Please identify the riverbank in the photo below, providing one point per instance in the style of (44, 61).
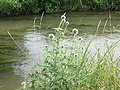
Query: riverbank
(19, 7)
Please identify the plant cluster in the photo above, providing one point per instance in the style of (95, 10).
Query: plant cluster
(8, 7)
(72, 66)
(14, 7)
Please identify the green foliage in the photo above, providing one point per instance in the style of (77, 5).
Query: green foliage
(9, 7)
(100, 4)
(73, 66)
(67, 5)
(114, 4)
(13, 7)
(51, 6)
(30, 6)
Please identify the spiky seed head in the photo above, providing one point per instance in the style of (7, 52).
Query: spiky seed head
(80, 38)
(76, 55)
(63, 17)
(51, 36)
(24, 84)
(62, 46)
(75, 31)
(73, 53)
(63, 20)
(67, 23)
(46, 46)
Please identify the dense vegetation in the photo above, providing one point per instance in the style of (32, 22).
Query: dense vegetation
(72, 65)
(14, 7)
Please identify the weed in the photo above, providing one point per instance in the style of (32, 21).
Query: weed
(73, 66)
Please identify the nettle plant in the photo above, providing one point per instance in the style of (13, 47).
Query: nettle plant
(72, 66)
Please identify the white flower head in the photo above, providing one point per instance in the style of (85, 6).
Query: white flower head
(63, 17)
(46, 46)
(51, 36)
(75, 55)
(24, 84)
(75, 31)
(80, 38)
(62, 46)
(63, 20)
(67, 23)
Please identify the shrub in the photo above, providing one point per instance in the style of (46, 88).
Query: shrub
(9, 7)
(51, 6)
(30, 6)
(72, 66)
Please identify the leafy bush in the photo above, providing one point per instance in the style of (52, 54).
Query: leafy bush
(72, 66)
(9, 7)
(14, 7)
(71, 5)
(100, 4)
(30, 6)
(51, 6)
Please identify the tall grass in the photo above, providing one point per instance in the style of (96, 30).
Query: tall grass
(73, 66)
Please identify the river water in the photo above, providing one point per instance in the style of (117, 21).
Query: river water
(14, 64)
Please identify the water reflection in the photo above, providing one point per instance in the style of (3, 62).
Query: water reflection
(34, 43)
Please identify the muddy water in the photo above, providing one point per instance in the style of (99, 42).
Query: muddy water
(14, 64)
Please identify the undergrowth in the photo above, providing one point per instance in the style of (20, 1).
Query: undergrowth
(73, 66)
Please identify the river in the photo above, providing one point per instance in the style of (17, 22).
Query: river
(14, 64)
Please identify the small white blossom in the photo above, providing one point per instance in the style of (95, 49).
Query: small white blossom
(46, 46)
(51, 36)
(24, 84)
(63, 20)
(75, 31)
(67, 23)
(63, 17)
(62, 46)
(80, 38)
(75, 55)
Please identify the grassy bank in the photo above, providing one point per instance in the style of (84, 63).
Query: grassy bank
(73, 66)
(15, 7)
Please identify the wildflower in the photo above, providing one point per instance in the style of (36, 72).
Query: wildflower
(80, 38)
(62, 46)
(63, 17)
(24, 84)
(51, 36)
(75, 55)
(46, 46)
(75, 31)
(64, 20)
(67, 23)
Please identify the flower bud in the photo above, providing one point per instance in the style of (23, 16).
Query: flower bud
(75, 55)
(67, 23)
(64, 20)
(80, 38)
(62, 46)
(46, 46)
(75, 31)
(51, 36)
(63, 17)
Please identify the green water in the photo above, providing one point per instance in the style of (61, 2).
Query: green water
(14, 65)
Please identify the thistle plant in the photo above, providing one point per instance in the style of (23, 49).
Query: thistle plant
(72, 66)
